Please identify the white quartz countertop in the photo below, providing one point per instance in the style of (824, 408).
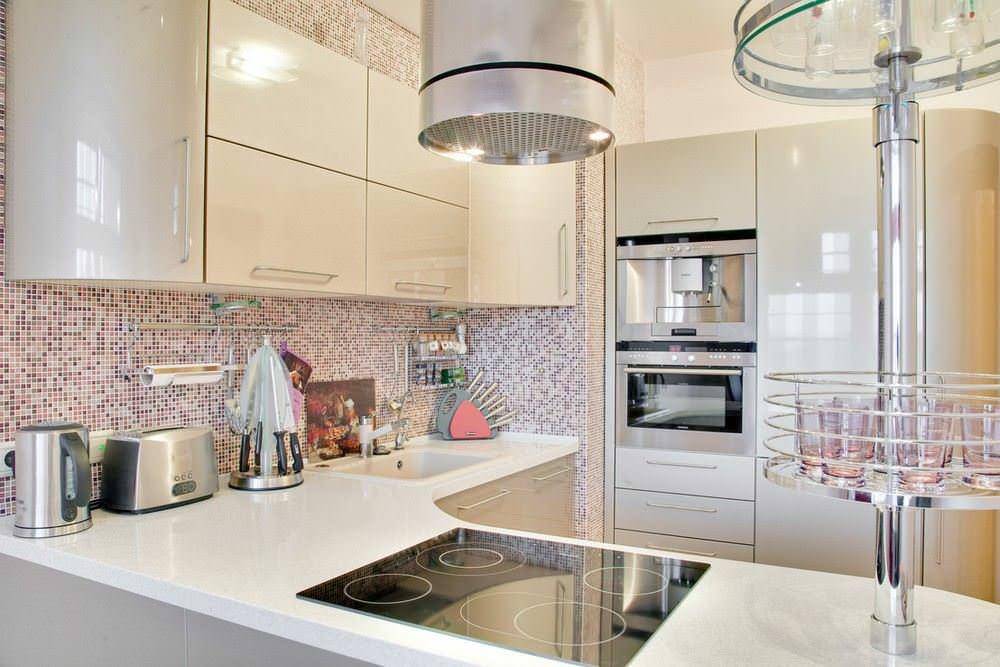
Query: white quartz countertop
(241, 557)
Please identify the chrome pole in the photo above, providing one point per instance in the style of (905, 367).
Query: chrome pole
(899, 531)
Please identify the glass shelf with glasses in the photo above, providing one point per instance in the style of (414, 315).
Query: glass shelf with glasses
(926, 440)
(834, 51)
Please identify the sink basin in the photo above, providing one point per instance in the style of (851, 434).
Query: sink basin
(407, 464)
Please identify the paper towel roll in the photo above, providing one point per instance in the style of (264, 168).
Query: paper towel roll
(161, 376)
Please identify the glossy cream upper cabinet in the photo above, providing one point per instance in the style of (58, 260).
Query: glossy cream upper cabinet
(105, 139)
(523, 235)
(277, 91)
(396, 158)
(686, 185)
(278, 223)
(417, 248)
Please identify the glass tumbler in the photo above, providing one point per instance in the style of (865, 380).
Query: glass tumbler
(848, 442)
(920, 447)
(981, 426)
(807, 440)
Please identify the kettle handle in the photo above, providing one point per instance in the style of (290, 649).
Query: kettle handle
(74, 450)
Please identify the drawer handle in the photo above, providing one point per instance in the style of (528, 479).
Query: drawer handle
(416, 283)
(675, 370)
(681, 507)
(300, 272)
(186, 253)
(503, 492)
(550, 475)
(667, 222)
(700, 466)
(706, 554)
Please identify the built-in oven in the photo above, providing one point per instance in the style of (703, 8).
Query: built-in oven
(698, 286)
(688, 396)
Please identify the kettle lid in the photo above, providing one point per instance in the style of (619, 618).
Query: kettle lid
(52, 426)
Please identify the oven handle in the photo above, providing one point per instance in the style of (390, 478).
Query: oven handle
(670, 370)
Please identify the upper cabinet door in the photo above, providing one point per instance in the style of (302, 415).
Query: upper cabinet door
(277, 91)
(278, 223)
(106, 140)
(686, 185)
(523, 235)
(417, 248)
(396, 158)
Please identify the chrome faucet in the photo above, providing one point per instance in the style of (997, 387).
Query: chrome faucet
(367, 436)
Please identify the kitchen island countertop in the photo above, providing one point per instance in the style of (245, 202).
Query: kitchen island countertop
(201, 557)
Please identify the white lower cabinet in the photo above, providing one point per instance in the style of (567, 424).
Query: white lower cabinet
(959, 552)
(278, 223)
(523, 235)
(417, 248)
(685, 516)
(685, 545)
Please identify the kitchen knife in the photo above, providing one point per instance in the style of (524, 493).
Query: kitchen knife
(497, 409)
(293, 439)
(279, 438)
(491, 403)
(244, 465)
(475, 380)
(506, 417)
(489, 390)
(502, 422)
(258, 443)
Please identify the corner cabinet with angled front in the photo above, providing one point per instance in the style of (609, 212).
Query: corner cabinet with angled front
(105, 140)
(693, 184)
(522, 246)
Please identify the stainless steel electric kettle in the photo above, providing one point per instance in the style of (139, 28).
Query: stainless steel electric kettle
(52, 478)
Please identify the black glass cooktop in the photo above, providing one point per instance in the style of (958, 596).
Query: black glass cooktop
(563, 601)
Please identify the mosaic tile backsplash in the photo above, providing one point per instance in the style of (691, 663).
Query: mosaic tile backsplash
(63, 348)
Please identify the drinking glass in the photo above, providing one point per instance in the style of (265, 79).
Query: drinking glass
(967, 38)
(807, 418)
(948, 14)
(885, 17)
(981, 423)
(849, 428)
(921, 443)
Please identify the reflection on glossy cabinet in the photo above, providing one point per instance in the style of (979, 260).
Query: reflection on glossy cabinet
(684, 185)
(959, 552)
(278, 223)
(523, 235)
(106, 140)
(274, 90)
(396, 158)
(417, 248)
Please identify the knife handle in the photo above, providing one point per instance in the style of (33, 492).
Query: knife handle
(244, 463)
(293, 439)
(258, 444)
(279, 438)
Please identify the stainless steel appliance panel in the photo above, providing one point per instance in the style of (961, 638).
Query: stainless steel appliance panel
(52, 469)
(685, 516)
(685, 545)
(684, 472)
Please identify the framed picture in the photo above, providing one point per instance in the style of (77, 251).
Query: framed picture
(333, 414)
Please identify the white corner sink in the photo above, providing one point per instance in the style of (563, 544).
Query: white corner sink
(412, 464)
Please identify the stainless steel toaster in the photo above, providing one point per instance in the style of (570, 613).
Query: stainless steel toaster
(157, 468)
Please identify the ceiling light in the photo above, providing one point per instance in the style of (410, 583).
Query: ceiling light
(261, 65)
(533, 87)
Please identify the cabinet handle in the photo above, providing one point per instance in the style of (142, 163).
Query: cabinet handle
(681, 507)
(300, 272)
(663, 370)
(503, 492)
(186, 254)
(940, 540)
(667, 222)
(706, 554)
(550, 475)
(700, 466)
(563, 263)
(417, 283)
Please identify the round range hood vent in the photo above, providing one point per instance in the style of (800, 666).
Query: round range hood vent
(517, 81)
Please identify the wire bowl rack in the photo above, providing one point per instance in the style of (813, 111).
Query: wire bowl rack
(927, 440)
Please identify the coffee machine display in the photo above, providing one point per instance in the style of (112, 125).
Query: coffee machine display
(52, 472)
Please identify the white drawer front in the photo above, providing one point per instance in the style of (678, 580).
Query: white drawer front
(684, 472)
(685, 545)
(685, 516)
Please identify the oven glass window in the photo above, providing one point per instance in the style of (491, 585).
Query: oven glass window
(711, 402)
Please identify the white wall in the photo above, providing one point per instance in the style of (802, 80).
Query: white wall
(697, 94)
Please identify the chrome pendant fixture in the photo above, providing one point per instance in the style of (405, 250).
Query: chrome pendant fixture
(517, 81)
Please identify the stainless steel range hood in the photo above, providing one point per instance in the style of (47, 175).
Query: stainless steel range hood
(517, 81)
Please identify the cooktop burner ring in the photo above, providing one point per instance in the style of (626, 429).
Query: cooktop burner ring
(500, 558)
(511, 559)
(463, 611)
(423, 594)
(663, 580)
(572, 604)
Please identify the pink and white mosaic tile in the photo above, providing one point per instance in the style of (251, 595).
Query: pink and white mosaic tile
(62, 347)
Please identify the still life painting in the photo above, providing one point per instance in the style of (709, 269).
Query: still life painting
(333, 414)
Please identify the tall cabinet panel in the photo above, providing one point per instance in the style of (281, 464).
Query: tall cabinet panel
(106, 140)
(523, 235)
(962, 169)
(685, 185)
(274, 90)
(816, 303)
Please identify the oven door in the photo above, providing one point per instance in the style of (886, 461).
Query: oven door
(684, 408)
